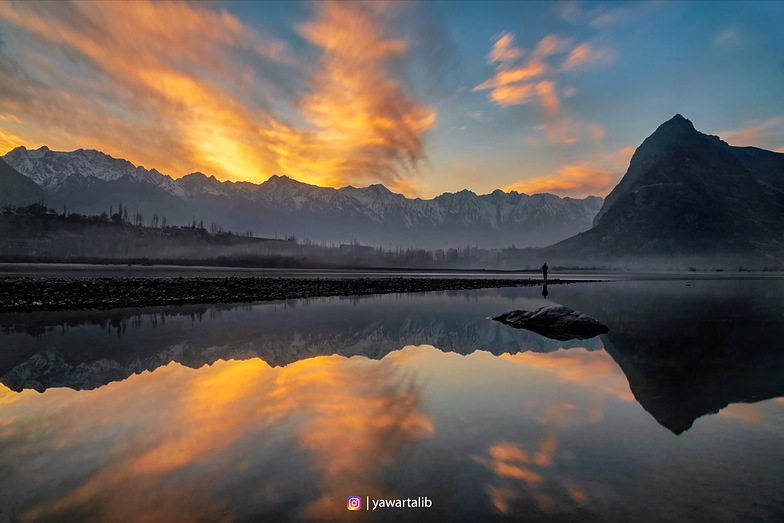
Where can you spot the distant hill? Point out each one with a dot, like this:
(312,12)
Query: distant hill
(17,189)
(89,182)
(688,197)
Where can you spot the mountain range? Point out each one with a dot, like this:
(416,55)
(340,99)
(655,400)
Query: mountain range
(89,182)
(687,199)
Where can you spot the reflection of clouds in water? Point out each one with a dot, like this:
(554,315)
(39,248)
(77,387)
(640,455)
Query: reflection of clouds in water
(595,370)
(748,413)
(7,397)
(535,474)
(512,466)
(357,431)
(520,475)
(171,445)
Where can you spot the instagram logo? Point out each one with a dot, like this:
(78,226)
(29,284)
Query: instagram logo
(354,503)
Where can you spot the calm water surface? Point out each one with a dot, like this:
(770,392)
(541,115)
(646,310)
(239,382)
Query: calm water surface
(280,411)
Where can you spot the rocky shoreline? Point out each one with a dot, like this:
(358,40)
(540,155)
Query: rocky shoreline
(50,294)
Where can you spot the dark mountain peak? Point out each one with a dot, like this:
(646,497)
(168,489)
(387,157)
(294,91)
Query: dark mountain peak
(689,194)
(195,176)
(674,131)
(94,154)
(379,188)
(24,152)
(678,121)
(22,149)
(284,181)
(277,179)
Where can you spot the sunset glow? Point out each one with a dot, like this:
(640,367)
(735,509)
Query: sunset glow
(421,97)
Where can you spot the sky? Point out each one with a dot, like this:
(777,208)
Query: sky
(423,97)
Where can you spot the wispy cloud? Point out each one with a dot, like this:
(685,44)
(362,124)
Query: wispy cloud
(506,77)
(767,134)
(561,130)
(727,37)
(576,180)
(362,112)
(116,77)
(504,50)
(602,16)
(515,83)
(183,87)
(585,54)
(537,78)
(619,160)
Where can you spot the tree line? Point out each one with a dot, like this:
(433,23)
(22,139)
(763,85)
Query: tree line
(121,217)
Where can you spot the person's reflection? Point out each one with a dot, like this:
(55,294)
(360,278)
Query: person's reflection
(544,290)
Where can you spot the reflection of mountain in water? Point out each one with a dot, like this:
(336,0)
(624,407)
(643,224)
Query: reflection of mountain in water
(691,351)
(686,351)
(90,349)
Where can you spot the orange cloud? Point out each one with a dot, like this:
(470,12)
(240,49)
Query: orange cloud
(767,134)
(597,131)
(575,180)
(585,54)
(536,78)
(510,85)
(371,124)
(9,140)
(548,97)
(125,100)
(512,94)
(505,77)
(620,159)
(504,50)
(550,45)
(182,87)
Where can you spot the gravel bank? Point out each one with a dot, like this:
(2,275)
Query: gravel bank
(39,294)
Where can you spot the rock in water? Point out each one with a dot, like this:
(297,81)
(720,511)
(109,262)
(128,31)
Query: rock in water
(556,322)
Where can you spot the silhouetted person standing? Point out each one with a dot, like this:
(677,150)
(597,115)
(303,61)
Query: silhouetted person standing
(544,271)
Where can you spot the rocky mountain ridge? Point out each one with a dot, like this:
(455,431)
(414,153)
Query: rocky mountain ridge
(90,181)
(686,197)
